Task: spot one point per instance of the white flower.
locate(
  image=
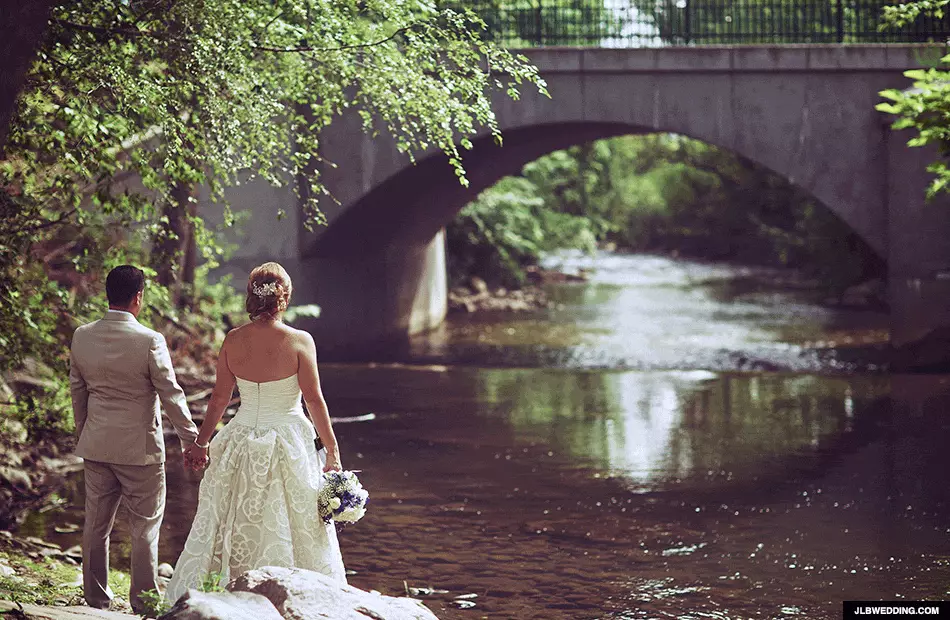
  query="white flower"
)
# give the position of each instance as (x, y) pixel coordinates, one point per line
(334, 503)
(352, 515)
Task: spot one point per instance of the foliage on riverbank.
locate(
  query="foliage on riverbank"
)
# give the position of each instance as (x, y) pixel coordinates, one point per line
(38, 573)
(656, 193)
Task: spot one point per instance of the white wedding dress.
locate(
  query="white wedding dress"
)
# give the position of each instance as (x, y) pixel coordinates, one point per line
(257, 504)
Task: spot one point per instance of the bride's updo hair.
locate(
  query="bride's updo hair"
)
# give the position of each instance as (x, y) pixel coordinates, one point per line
(268, 292)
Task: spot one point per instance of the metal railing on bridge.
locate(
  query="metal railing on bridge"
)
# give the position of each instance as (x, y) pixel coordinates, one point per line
(659, 23)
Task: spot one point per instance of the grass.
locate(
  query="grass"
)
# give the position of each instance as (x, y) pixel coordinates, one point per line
(49, 582)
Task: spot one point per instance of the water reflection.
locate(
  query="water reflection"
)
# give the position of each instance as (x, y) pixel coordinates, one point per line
(688, 428)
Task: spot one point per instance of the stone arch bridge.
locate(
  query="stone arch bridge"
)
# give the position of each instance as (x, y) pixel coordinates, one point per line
(804, 111)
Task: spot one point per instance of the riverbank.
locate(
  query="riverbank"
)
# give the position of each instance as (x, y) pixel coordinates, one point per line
(41, 580)
(477, 296)
(31, 471)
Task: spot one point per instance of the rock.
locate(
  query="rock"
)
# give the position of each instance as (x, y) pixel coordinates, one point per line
(5, 569)
(300, 594)
(39, 542)
(478, 285)
(38, 612)
(75, 583)
(17, 478)
(196, 605)
(74, 553)
(165, 570)
(14, 429)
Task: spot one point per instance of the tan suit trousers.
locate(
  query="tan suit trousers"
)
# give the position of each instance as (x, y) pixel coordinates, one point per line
(142, 489)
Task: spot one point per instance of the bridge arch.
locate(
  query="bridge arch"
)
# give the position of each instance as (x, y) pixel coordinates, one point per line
(429, 195)
(805, 112)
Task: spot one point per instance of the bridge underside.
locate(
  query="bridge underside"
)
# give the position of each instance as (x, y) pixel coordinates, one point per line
(805, 112)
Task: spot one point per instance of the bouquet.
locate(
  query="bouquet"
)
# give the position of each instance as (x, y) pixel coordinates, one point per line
(342, 498)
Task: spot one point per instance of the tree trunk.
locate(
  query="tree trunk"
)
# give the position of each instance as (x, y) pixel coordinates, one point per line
(22, 25)
(169, 244)
(186, 297)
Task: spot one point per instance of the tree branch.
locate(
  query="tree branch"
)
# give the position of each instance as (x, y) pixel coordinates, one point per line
(307, 48)
(62, 218)
(99, 29)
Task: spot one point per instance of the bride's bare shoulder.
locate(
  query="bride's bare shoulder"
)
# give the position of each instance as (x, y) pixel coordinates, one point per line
(235, 333)
(301, 336)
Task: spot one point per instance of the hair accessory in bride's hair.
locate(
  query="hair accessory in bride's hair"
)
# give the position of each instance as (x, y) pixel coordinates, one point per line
(263, 290)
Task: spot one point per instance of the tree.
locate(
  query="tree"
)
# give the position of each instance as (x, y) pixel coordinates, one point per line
(925, 107)
(130, 105)
(654, 193)
(21, 28)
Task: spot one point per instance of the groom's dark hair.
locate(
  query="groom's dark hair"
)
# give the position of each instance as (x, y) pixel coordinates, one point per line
(123, 283)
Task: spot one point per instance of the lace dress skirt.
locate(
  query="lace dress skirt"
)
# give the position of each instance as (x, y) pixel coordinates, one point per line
(257, 502)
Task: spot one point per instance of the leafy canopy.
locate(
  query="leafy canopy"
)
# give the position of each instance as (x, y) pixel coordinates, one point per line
(200, 90)
(925, 107)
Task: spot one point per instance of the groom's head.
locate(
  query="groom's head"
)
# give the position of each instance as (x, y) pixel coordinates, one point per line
(124, 287)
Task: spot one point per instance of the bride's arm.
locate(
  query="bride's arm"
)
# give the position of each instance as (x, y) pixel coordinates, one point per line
(220, 397)
(309, 378)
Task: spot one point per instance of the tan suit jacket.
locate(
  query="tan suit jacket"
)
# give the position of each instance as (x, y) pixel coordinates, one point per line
(119, 372)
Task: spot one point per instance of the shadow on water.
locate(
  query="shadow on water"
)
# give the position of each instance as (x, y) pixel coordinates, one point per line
(581, 492)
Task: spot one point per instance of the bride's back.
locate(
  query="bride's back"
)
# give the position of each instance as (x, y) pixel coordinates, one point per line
(263, 351)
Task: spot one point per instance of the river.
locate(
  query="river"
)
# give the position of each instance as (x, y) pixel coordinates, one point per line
(623, 454)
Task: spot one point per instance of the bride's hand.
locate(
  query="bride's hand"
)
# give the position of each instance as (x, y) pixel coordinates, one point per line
(333, 463)
(196, 458)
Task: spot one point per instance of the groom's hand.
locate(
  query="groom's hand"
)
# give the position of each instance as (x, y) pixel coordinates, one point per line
(195, 458)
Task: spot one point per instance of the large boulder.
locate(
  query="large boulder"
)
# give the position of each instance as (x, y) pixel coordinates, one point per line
(197, 605)
(300, 594)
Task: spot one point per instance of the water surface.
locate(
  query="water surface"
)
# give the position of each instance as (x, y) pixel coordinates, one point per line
(655, 488)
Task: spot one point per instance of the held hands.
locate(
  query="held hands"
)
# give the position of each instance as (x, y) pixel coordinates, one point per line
(195, 458)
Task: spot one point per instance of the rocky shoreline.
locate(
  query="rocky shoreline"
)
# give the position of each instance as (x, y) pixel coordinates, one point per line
(39, 580)
(477, 296)
(31, 472)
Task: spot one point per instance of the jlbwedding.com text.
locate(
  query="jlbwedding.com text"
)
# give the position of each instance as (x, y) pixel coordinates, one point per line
(891, 610)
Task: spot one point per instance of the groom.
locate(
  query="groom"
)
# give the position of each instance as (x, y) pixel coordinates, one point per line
(119, 371)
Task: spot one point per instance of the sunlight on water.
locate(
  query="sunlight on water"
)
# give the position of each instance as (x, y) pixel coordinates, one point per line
(652, 312)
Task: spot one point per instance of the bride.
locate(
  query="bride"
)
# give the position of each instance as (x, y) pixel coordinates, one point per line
(257, 503)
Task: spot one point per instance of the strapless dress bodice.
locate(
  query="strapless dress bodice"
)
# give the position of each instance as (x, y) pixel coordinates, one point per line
(270, 403)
